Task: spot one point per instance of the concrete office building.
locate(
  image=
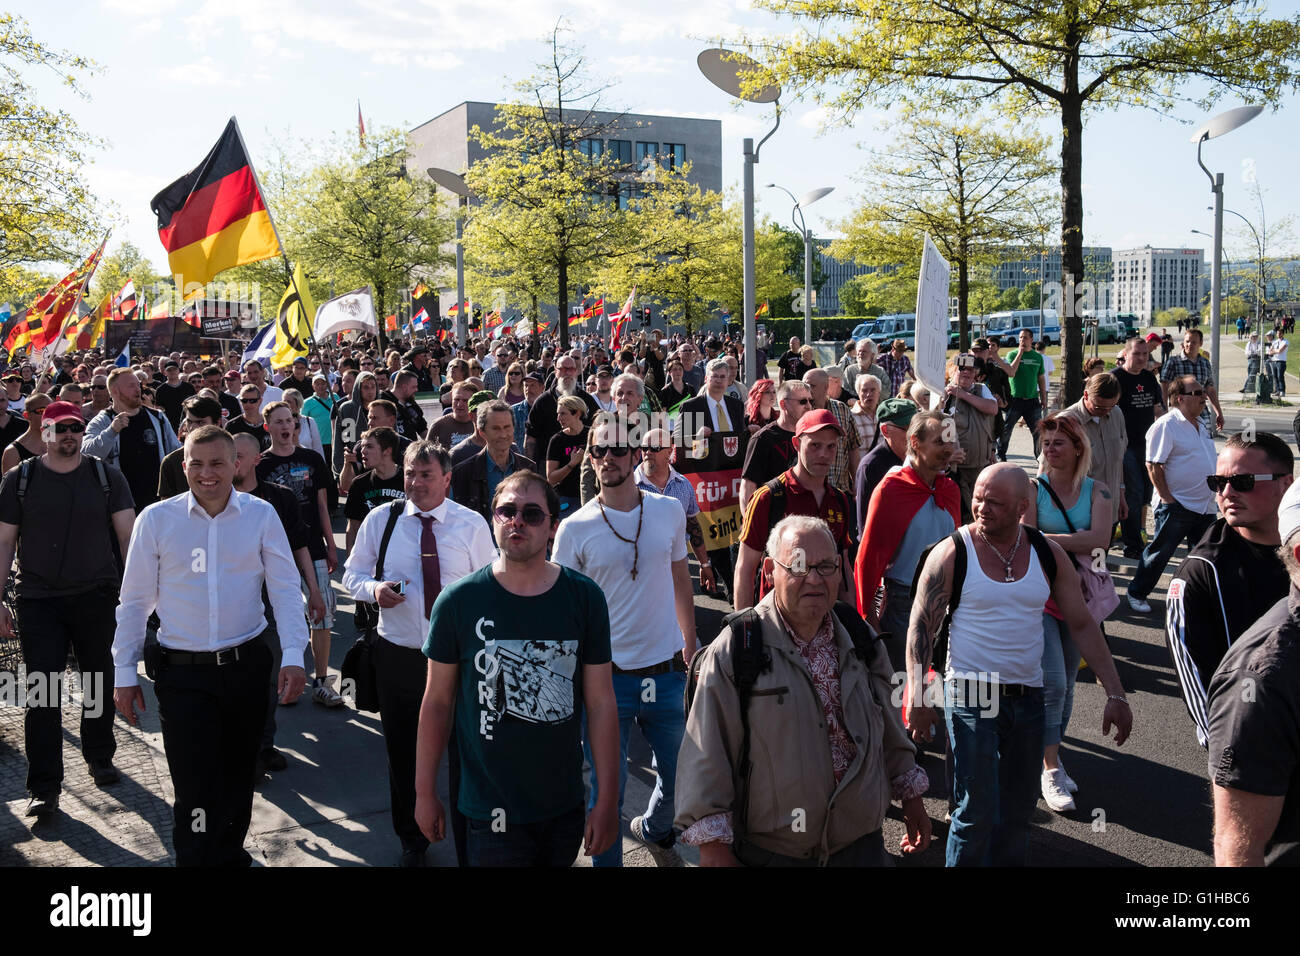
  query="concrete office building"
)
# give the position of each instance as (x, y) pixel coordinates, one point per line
(1147, 281)
(835, 272)
(1024, 265)
(446, 141)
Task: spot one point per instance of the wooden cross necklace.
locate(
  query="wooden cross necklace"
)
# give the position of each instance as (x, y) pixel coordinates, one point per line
(640, 503)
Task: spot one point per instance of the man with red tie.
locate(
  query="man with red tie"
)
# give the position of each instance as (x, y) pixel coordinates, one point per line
(432, 541)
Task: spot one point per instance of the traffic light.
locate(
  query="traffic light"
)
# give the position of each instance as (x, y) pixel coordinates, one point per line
(645, 317)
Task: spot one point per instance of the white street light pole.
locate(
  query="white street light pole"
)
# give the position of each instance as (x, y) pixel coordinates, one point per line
(1217, 126)
(455, 184)
(808, 199)
(728, 71)
(1259, 289)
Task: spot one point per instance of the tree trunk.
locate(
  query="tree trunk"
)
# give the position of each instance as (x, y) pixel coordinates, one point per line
(1071, 230)
(562, 301)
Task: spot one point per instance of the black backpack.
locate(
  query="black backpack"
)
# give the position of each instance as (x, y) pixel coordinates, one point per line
(1045, 557)
(749, 659)
(28, 468)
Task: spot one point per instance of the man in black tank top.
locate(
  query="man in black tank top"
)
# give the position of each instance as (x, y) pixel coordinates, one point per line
(984, 711)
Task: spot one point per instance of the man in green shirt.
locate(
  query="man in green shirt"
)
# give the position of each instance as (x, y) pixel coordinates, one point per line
(517, 650)
(1028, 392)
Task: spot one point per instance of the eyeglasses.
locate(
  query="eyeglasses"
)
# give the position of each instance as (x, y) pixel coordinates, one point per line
(533, 515)
(827, 569)
(657, 447)
(618, 451)
(800, 401)
(63, 428)
(1195, 394)
(1220, 483)
(248, 401)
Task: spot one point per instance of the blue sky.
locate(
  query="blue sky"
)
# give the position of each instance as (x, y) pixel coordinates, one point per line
(174, 71)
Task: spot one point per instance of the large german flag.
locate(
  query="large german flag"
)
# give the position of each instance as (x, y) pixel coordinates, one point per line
(213, 218)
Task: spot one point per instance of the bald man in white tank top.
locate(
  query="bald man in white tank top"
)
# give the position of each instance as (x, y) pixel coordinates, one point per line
(992, 673)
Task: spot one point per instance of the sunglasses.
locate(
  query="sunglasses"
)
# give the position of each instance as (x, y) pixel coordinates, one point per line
(618, 451)
(1220, 483)
(800, 401)
(1196, 394)
(64, 428)
(248, 401)
(657, 447)
(533, 515)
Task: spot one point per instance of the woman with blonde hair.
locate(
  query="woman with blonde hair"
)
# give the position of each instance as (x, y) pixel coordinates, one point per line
(1074, 511)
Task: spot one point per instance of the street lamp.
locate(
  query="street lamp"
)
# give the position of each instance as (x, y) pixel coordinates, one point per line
(455, 184)
(1259, 291)
(808, 199)
(1217, 126)
(728, 71)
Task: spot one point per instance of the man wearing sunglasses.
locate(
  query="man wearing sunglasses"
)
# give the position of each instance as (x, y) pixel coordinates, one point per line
(67, 584)
(1234, 574)
(1180, 455)
(633, 545)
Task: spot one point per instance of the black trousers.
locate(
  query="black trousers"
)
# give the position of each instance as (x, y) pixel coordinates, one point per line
(271, 638)
(400, 675)
(46, 626)
(212, 720)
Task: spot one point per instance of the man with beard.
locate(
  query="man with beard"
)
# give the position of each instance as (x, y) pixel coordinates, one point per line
(131, 437)
(542, 420)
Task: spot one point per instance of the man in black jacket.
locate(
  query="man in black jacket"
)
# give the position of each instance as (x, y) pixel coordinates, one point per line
(1234, 574)
(542, 421)
(474, 481)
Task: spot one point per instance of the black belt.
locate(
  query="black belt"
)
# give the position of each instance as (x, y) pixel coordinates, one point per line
(228, 656)
(1002, 690)
(676, 663)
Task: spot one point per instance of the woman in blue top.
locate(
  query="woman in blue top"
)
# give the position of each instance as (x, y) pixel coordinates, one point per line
(1066, 458)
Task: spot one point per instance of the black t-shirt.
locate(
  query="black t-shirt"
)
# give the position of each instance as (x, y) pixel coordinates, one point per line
(997, 381)
(872, 471)
(303, 388)
(65, 532)
(13, 430)
(1138, 398)
(230, 407)
(368, 492)
(140, 457)
(304, 473)
(285, 504)
(771, 452)
(448, 432)
(670, 397)
(559, 451)
(240, 424)
(1254, 712)
(170, 399)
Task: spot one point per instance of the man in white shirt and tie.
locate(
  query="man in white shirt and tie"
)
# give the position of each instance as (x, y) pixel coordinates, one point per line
(434, 542)
(209, 549)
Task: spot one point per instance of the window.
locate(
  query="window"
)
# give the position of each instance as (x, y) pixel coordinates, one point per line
(673, 156)
(620, 149)
(591, 148)
(646, 152)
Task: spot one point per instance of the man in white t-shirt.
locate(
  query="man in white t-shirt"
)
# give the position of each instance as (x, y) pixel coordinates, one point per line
(1180, 456)
(633, 545)
(1277, 364)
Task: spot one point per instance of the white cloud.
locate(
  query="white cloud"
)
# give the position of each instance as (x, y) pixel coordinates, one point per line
(141, 8)
(203, 72)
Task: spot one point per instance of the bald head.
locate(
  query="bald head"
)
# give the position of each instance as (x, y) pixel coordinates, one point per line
(1001, 498)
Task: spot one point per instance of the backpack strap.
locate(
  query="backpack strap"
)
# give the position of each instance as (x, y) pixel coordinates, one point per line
(1043, 548)
(775, 507)
(748, 660)
(394, 512)
(940, 653)
(24, 477)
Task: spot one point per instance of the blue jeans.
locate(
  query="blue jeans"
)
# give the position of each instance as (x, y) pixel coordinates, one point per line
(1278, 371)
(1060, 669)
(1252, 369)
(551, 843)
(997, 752)
(1174, 523)
(1137, 492)
(1031, 410)
(662, 721)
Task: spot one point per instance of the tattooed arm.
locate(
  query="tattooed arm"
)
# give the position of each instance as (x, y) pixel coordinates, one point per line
(695, 538)
(928, 611)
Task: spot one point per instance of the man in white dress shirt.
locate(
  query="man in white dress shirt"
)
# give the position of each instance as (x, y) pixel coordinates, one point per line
(433, 537)
(211, 548)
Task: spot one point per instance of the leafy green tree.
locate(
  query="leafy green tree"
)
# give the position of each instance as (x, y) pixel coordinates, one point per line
(971, 187)
(118, 265)
(1030, 296)
(1046, 59)
(369, 222)
(549, 200)
(20, 286)
(47, 213)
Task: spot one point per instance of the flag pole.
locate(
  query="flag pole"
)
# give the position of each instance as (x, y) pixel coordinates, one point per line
(257, 181)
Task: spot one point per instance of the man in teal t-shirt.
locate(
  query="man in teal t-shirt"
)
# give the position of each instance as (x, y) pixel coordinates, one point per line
(1028, 392)
(517, 650)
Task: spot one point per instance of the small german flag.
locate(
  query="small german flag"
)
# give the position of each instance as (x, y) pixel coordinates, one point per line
(213, 218)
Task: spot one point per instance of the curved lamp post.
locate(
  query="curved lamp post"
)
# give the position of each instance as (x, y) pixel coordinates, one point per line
(455, 184)
(727, 71)
(808, 199)
(1217, 126)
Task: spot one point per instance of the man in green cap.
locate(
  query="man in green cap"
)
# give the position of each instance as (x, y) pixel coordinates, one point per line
(893, 416)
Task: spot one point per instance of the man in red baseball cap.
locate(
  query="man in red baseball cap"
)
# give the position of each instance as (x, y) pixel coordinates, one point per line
(74, 514)
(801, 490)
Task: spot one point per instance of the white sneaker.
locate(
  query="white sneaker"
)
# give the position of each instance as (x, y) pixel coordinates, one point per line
(1066, 778)
(663, 856)
(325, 694)
(1139, 605)
(1056, 796)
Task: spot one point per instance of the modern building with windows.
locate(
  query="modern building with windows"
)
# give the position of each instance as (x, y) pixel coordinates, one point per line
(835, 272)
(1147, 281)
(1024, 265)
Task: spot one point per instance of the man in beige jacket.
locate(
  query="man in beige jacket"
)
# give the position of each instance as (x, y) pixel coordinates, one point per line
(827, 746)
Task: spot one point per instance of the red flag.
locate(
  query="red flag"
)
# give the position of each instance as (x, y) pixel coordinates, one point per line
(361, 126)
(46, 316)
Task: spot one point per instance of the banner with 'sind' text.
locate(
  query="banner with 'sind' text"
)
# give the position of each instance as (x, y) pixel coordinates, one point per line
(712, 465)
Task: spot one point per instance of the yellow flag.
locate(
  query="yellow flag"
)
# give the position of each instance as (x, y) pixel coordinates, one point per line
(293, 321)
